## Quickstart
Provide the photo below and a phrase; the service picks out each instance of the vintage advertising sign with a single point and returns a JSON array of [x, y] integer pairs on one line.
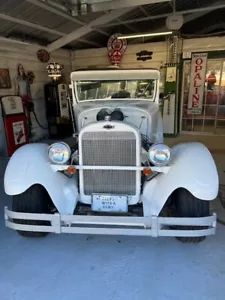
[[197, 83], [116, 48], [19, 132]]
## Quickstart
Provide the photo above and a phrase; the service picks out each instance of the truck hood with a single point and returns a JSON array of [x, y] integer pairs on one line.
[[150, 107], [143, 115]]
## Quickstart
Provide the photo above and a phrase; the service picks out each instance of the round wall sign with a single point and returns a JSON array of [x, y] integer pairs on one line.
[[116, 48], [43, 55]]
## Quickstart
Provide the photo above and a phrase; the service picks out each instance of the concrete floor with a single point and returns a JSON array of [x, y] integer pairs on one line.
[[85, 267]]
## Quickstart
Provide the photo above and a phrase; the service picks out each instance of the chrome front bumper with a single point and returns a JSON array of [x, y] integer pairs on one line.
[[113, 225]]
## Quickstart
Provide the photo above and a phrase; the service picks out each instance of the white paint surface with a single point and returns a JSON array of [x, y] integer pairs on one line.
[[30, 165], [73, 267]]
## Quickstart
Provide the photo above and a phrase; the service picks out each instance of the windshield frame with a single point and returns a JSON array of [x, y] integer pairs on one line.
[[115, 74], [152, 99]]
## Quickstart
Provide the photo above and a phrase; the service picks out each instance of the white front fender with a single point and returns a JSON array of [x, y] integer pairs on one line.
[[192, 168], [30, 165]]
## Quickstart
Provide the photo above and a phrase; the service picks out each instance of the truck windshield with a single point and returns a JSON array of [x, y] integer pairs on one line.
[[116, 89]]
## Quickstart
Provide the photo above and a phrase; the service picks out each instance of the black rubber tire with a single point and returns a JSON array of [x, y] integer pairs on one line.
[[34, 200], [187, 205]]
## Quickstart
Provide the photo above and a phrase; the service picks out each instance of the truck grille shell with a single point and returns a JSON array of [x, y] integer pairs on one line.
[[109, 148]]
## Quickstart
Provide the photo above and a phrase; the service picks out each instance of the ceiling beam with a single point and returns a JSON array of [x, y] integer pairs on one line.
[[214, 6], [55, 11], [212, 27], [23, 43], [42, 28], [130, 27], [192, 17], [29, 24], [78, 33], [13, 41], [62, 14], [143, 11], [92, 43], [117, 4], [188, 18]]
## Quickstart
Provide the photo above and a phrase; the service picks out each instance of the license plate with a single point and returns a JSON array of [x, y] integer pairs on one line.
[[109, 203]]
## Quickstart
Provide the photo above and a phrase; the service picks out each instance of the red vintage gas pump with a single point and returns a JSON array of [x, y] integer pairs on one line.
[[15, 123]]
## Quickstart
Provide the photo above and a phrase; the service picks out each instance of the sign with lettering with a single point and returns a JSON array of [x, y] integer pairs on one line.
[[197, 83], [144, 55]]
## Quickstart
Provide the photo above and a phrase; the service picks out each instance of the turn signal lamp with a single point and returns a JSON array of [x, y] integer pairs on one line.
[[71, 170], [147, 172]]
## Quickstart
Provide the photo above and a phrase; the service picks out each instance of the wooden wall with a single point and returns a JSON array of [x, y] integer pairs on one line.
[[13, 54], [99, 58], [204, 44]]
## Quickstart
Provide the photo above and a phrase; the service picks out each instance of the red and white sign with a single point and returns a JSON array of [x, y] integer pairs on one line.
[[197, 83], [19, 132], [116, 48]]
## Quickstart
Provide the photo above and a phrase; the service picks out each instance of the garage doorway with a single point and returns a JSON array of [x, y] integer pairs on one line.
[[212, 118]]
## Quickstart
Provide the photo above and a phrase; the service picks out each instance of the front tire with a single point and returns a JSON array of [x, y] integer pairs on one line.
[[34, 200], [187, 205]]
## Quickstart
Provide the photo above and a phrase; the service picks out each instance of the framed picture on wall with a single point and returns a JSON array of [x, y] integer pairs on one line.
[[5, 82]]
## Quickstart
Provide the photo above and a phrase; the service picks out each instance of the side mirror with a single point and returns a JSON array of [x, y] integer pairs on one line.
[[161, 96]]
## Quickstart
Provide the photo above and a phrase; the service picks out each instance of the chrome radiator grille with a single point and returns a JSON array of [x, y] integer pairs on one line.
[[109, 149]]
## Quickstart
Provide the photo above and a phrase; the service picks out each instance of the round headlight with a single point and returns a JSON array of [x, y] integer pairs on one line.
[[159, 155], [59, 153]]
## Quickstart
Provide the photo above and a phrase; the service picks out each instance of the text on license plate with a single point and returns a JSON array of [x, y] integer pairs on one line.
[[109, 203]]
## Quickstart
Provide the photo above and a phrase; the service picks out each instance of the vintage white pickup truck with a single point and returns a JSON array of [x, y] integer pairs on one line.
[[118, 177]]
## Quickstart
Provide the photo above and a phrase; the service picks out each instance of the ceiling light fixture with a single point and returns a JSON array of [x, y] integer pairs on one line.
[[134, 36], [54, 70]]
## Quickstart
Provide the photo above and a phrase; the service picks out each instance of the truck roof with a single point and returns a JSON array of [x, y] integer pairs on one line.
[[115, 74]]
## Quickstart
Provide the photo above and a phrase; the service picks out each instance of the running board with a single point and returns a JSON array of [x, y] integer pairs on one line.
[[112, 225]]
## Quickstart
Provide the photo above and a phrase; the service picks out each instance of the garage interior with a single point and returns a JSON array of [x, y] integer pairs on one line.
[[45, 39]]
